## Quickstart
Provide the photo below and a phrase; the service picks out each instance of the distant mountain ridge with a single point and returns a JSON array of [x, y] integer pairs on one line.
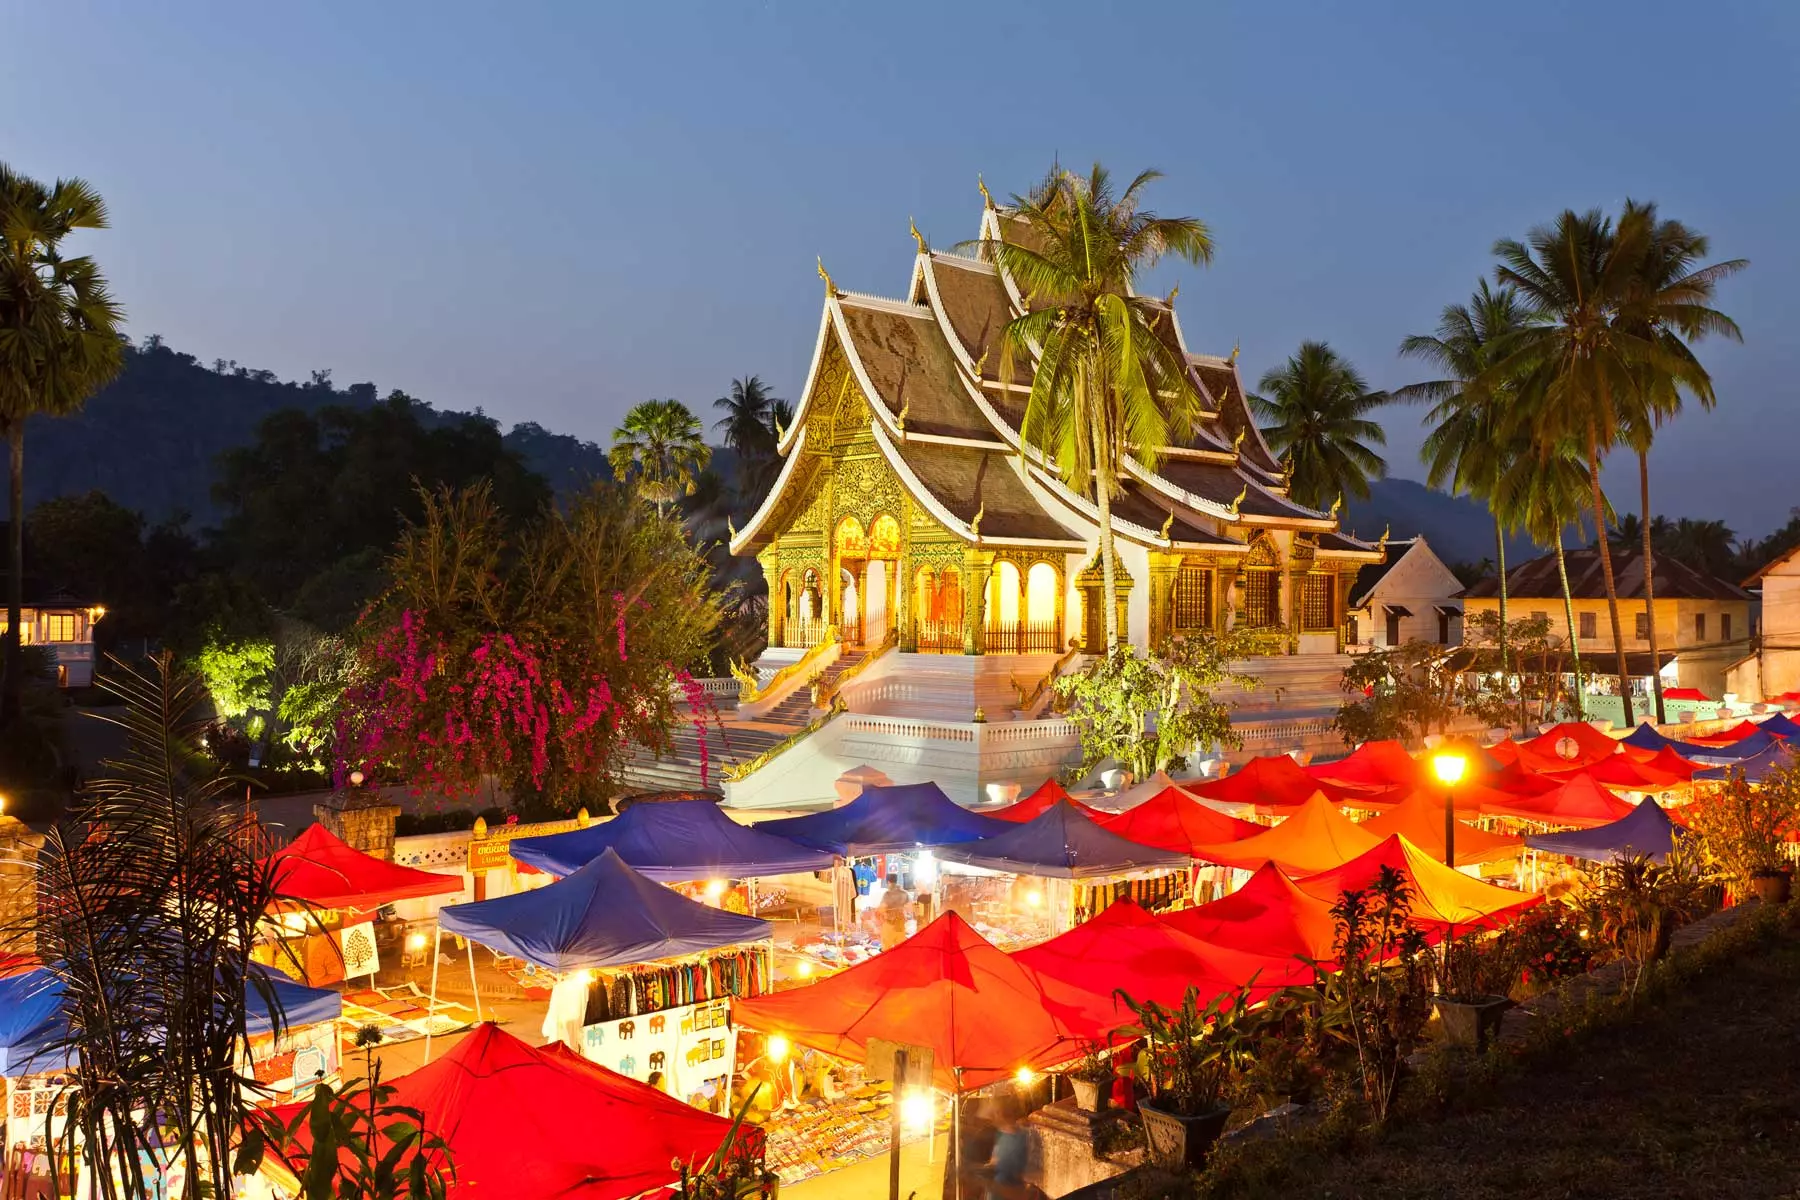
[[1457, 528]]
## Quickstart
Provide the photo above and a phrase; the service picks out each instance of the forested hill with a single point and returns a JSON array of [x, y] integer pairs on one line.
[[152, 438]]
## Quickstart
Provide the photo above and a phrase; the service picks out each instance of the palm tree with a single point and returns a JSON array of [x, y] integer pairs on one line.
[[749, 428], [1105, 383], [60, 341], [659, 446], [1315, 411], [1668, 301], [1465, 449], [1546, 493]]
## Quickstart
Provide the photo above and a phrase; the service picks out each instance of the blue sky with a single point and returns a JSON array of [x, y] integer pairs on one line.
[[553, 211]]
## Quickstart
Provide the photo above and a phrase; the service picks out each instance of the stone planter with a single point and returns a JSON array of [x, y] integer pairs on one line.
[[1772, 887], [1178, 1141], [1470, 1023], [1092, 1095]]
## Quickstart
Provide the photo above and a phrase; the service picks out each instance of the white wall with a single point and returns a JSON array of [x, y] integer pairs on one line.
[[1419, 583]]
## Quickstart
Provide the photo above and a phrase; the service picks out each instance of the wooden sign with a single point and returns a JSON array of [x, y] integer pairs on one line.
[[491, 850], [881, 1059]]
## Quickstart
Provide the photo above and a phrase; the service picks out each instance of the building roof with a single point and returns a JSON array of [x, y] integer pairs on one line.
[[1374, 573], [1539, 579], [1791, 556], [910, 365], [968, 482]]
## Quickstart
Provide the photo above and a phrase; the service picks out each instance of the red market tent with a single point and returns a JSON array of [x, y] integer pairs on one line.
[[947, 988], [1420, 819], [1590, 744], [1267, 916], [1316, 837], [1726, 737], [1442, 898], [1679, 693], [1277, 781], [1041, 801], [1580, 803], [531, 1124], [1379, 764], [1127, 949], [320, 869], [1628, 772], [1174, 820]]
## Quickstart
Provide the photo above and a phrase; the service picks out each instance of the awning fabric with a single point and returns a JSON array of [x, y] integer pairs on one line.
[[1315, 837], [1442, 897], [1127, 949], [1041, 800], [1129, 798], [604, 915], [946, 988], [34, 1034], [1780, 725], [1631, 773], [1062, 844], [1645, 830], [1420, 819], [321, 869], [544, 1124], [1268, 915], [674, 841], [1380, 764], [1747, 747], [1395, 610], [887, 820], [1174, 820], [1685, 693], [1580, 803], [1755, 767], [1726, 737], [1277, 781]]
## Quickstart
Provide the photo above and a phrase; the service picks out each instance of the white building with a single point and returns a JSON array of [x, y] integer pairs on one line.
[[65, 627], [1412, 596], [1773, 668]]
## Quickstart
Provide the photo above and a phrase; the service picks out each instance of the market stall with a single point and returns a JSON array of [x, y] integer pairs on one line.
[[1316, 837], [1276, 782], [641, 973], [1753, 768], [673, 841], [1378, 764], [1269, 915], [1090, 867], [1577, 803], [1646, 830], [1443, 899], [1420, 820], [1781, 725], [1045, 797], [1173, 820]]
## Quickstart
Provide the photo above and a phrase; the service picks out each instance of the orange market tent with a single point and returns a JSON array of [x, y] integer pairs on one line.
[[1315, 838], [1038, 803], [1174, 820], [1627, 772], [1379, 764], [1590, 744], [536, 1124], [1268, 915], [1127, 949], [1277, 781], [320, 869], [1442, 897], [1420, 820], [1580, 803], [946, 988]]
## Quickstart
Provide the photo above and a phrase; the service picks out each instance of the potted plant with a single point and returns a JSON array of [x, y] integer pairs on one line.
[[1468, 1007], [1092, 1078], [1772, 884], [1188, 1059]]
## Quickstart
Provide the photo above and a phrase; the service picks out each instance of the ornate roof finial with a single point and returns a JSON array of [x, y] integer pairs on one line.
[[1173, 292], [730, 528], [1167, 526], [918, 237], [1234, 353], [985, 198], [1240, 499], [981, 363], [830, 287], [780, 433], [975, 524], [1237, 443], [1337, 504], [1382, 544], [900, 418]]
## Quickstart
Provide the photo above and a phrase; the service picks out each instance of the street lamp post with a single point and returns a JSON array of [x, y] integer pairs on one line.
[[1449, 770]]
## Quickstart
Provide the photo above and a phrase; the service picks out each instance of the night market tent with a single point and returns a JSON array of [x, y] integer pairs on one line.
[[1632, 773], [1686, 693], [1040, 801], [1753, 768], [1579, 802], [1376, 764], [674, 841], [1277, 781], [1420, 819], [531, 1124], [982, 1015], [1063, 843], [1127, 949], [1726, 737], [34, 1034], [1129, 798], [1647, 737], [1590, 744], [1267, 916], [604, 915], [1316, 837], [1647, 829], [887, 820], [1780, 725], [320, 869], [1747, 747], [1442, 897], [1174, 820]]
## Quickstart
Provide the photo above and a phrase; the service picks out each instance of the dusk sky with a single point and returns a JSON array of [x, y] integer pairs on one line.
[[552, 212]]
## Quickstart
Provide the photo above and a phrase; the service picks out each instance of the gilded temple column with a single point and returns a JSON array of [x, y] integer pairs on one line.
[[1164, 566], [771, 569], [978, 566]]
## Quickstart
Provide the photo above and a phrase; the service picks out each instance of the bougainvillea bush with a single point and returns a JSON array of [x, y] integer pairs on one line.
[[530, 657]]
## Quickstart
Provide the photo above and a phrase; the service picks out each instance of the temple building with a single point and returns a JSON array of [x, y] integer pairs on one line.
[[908, 516]]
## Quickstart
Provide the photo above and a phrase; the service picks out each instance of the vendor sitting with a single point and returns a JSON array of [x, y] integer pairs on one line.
[[890, 914]]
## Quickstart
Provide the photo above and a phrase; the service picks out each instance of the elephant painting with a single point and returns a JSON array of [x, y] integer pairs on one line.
[[627, 1030]]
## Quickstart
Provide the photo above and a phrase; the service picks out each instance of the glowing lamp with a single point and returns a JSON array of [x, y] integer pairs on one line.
[[715, 888], [1024, 1076], [804, 969], [1034, 898], [586, 977], [1449, 768], [415, 941], [356, 779], [915, 1110], [779, 1048]]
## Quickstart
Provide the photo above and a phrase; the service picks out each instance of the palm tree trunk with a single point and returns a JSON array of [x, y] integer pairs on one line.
[[1103, 502], [1500, 561], [1562, 572], [1650, 587], [1606, 572], [12, 689]]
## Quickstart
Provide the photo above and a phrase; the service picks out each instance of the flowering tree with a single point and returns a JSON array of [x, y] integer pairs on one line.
[[529, 657]]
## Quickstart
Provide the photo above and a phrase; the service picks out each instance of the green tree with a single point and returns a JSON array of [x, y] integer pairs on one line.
[[751, 410], [1315, 408], [659, 447], [1105, 380], [1546, 494], [59, 342]]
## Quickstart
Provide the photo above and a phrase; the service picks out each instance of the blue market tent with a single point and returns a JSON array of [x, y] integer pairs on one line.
[[1645, 830], [674, 841], [1753, 746], [1781, 726], [1755, 767], [604, 915], [886, 820], [1062, 843], [1646, 737], [34, 1036]]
